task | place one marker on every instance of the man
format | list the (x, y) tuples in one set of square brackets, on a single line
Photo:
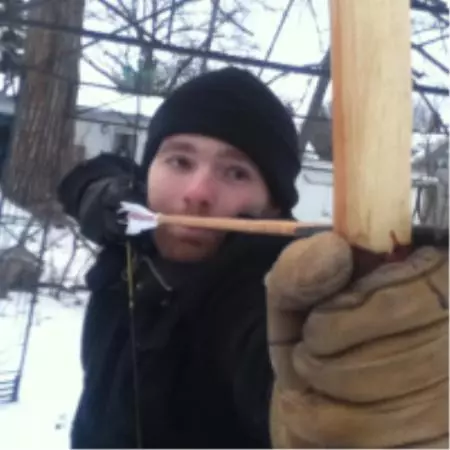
[(352, 362)]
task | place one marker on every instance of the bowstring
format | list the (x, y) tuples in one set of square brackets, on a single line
[(131, 284), (132, 326)]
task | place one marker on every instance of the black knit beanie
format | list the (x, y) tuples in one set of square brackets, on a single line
[(236, 107)]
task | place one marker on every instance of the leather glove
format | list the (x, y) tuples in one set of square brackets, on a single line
[(358, 363)]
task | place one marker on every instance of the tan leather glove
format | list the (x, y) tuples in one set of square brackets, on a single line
[(361, 363)]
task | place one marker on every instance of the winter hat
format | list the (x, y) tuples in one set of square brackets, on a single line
[(236, 107)]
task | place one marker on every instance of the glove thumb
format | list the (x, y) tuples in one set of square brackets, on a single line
[(309, 270), (306, 272)]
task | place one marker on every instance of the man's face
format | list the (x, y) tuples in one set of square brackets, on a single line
[(201, 176)]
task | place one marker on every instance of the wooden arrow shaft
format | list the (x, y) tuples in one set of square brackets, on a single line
[(268, 226)]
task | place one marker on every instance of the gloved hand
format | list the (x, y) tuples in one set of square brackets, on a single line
[(91, 193), (98, 214), (358, 363)]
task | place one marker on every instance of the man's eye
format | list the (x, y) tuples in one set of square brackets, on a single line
[(179, 162), (238, 173)]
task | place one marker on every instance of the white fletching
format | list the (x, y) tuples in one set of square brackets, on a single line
[(138, 218)]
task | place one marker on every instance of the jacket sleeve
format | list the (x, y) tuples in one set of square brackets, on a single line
[(80, 178), (240, 338)]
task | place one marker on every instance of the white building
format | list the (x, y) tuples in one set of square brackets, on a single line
[(110, 131)]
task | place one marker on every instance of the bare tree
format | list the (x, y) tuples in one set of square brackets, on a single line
[(209, 25), (428, 49)]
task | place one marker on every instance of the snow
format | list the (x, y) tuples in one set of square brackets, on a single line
[(51, 380), (52, 376)]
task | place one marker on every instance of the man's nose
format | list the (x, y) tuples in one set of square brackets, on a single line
[(201, 190)]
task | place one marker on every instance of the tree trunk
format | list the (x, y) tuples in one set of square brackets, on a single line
[(42, 147)]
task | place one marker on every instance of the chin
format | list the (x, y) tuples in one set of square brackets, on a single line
[(185, 253)]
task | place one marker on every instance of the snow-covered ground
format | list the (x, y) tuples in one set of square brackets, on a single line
[(51, 381)]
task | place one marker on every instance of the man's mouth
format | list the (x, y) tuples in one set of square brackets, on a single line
[(194, 234)]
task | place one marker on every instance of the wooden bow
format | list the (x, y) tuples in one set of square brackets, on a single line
[(372, 122)]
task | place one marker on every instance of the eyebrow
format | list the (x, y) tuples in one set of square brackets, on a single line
[(233, 153), (227, 152), (174, 145)]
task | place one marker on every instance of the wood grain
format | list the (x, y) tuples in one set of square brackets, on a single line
[(372, 121)]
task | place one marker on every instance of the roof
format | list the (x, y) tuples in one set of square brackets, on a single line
[(111, 117)]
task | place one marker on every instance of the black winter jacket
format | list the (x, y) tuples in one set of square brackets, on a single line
[(204, 375)]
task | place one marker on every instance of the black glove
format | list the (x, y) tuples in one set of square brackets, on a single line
[(92, 192), (98, 215)]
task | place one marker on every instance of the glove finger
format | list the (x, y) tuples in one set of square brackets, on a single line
[(406, 421), (380, 370), (280, 434), (114, 226), (284, 331), (308, 270), (440, 442), (394, 299), (293, 285), (118, 189)]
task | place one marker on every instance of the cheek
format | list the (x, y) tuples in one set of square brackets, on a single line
[(250, 200), (161, 189)]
